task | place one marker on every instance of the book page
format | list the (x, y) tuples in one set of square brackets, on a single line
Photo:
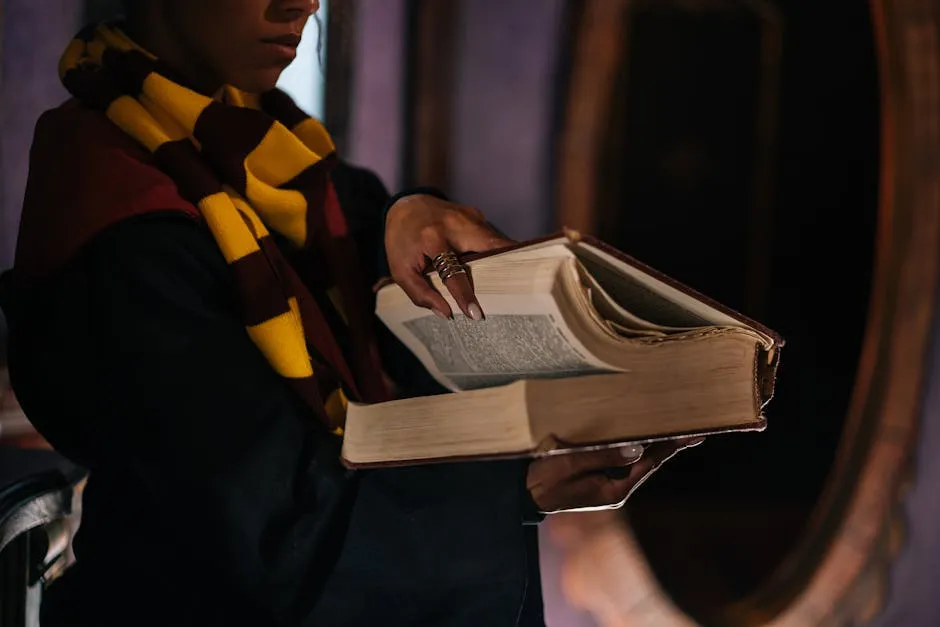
[(651, 298), (614, 314), (523, 337), (632, 295)]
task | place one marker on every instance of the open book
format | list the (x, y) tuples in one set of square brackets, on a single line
[(582, 347)]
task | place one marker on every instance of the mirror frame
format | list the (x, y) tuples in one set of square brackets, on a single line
[(838, 571)]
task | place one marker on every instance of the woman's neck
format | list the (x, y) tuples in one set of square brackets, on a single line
[(153, 36)]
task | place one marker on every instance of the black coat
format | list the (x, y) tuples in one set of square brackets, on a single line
[(212, 500)]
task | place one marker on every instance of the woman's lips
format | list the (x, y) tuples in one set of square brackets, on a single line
[(284, 46)]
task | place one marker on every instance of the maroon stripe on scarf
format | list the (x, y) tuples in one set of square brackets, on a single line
[(313, 183), (260, 295), (314, 176), (94, 89), (309, 391), (132, 67), (121, 73), (129, 69), (87, 34), (180, 159), (228, 135), (327, 381), (283, 108), (327, 235), (339, 250)]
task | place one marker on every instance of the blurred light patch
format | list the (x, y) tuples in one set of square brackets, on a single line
[(305, 79)]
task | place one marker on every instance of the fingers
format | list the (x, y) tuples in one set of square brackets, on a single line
[(656, 455), (422, 293), (596, 461), (596, 490), (435, 244), (591, 492), (432, 228), (558, 481), (410, 275), (416, 285), (601, 490), (600, 479), (475, 234), (468, 233), (460, 288)]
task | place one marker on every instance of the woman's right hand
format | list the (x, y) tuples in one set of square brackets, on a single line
[(420, 227)]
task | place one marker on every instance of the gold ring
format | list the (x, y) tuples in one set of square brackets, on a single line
[(448, 265)]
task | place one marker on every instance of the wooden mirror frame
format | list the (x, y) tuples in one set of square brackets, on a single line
[(838, 571)]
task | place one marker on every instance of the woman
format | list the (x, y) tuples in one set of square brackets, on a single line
[(189, 309)]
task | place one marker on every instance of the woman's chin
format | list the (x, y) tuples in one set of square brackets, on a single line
[(257, 82)]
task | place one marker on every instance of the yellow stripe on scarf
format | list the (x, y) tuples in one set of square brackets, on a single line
[(269, 166), (132, 118), (72, 56), (311, 133), (289, 359), (233, 236), (258, 228), (184, 105)]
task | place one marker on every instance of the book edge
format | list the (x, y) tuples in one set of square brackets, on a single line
[(758, 425)]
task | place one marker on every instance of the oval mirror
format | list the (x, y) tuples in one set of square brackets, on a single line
[(776, 155)]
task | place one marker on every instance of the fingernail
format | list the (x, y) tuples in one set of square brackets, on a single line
[(475, 312), (633, 451), (440, 314)]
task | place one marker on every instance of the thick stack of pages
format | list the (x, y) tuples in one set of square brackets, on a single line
[(582, 347)]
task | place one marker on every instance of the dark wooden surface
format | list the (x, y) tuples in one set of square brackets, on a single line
[(430, 79)]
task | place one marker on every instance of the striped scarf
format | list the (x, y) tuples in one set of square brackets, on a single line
[(249, 164)]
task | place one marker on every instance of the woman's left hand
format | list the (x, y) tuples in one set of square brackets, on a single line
[(418, 228), (602, 479)]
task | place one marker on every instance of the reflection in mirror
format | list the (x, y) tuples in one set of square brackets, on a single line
[(741, 156)]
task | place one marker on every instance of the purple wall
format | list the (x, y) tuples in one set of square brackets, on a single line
[(34, 36), (506, 64), (507, 54), (377, 94)]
